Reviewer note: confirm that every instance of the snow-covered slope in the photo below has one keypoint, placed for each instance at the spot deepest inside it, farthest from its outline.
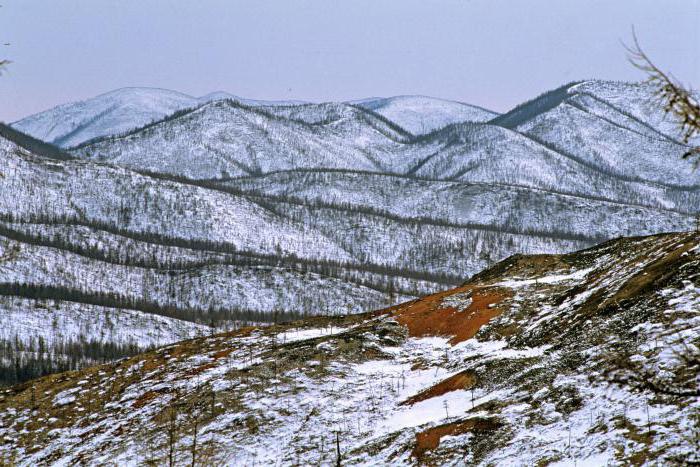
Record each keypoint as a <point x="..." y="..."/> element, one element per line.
<point x="107" y="114"/>
<point x="613" y="127"/>
<point x="534" y="361"/>
<point x="229" y="212"/>
<point x="116" y="112"/>
<point x="569" y="140"/>
<point x="420" y="114"/>
<point x="88" y="236"/>
<point x="225" y="138"/>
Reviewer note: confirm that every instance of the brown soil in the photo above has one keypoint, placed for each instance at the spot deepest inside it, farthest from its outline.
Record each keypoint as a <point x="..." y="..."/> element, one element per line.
<point x="429" y="317"/>
<point x="147" y="397"/>
<point x="429" y="439"/>
<point x="222" y="354"/>
<point x="645" y="279"/>
<point x="200" y="369"/>
<point x="463" y="380"/>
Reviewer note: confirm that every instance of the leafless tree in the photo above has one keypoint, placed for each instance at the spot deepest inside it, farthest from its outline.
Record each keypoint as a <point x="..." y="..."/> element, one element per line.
<point x="677" y="100"/>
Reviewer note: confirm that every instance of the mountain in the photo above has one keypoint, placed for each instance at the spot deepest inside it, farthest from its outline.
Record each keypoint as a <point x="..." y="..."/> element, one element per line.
<point x="95" y="256"/>
<point x="115" y="112"/>
<point x="111" y="113"/>
<point x="611" y="126"/>
<point x="221" y="95"/>
<point x="125" y="109"/>
<point x="421" y="114"/>
<point x="225" y="213"/>
<point x="546" y="359"/>
<point x="567" y="140"/>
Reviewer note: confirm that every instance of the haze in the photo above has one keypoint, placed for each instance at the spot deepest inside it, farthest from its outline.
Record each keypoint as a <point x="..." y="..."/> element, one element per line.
<point x="490" y="53"/>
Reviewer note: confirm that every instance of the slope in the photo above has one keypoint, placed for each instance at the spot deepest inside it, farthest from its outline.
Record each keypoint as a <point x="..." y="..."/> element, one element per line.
<point x="570" y="140"/>
<point x="421" y="114"/>
<point x="612" y="126"/>
<point x="84" y="239"/>
<point x="115" y="112"/>
<point x="514" y="366"/>
<point x="225" y="139"/>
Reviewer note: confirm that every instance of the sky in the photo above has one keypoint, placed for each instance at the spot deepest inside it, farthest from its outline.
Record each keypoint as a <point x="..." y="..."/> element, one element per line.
<point x="491" y="53"/>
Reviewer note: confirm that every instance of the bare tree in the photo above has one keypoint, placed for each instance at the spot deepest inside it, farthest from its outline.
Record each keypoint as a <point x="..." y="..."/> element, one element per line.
<point x="676" y="99"/>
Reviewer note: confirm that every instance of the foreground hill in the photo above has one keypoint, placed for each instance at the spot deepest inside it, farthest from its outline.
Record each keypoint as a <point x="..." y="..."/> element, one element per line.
<point x="514" y="366"/>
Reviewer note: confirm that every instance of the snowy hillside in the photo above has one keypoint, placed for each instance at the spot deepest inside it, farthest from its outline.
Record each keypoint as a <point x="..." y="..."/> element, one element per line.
<point x="569" y="140"/>
<point x="595" y="125"/>
<point x="227" y="213"/>
<point x="111" y="113"/>
<point x="115" y="112"/>
<point x="420" y="114"/>
<point x="576" y="359"/>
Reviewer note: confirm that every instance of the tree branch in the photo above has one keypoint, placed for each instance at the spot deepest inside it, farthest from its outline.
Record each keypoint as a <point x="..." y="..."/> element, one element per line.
<point x="676" y="99"/>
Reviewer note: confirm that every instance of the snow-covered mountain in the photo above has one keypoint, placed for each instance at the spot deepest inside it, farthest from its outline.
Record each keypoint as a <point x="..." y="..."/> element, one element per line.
<point x="116" y="112"/>
<point x="570" y="141"/>
<point x="587" y="358"/>
<point x="125" y="109"/>
<point x="226" y="212"/>
<point x="421" y="114"/>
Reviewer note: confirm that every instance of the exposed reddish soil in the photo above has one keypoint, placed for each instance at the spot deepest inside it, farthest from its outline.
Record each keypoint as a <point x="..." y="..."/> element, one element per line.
<point x="200" y="369"/>
<point x="222" y="354"/>
<point x="429" y="317"/>
<point x="462" y="380"/>
<point x="145" y="398"/>
<point x="429" y="439"/>
<point x="148" y="396"/>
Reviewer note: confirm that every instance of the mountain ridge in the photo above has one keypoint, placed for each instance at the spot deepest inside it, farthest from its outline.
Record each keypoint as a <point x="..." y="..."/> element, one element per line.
<point x="126" y="109"/>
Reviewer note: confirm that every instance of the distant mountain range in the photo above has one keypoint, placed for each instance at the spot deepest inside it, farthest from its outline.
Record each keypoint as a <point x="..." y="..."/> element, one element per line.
<point x="125" y="109"/>
<point x="169" y="214"/>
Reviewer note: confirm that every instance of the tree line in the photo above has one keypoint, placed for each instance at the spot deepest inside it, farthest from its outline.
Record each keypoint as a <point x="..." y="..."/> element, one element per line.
<point x="22" y="361"/>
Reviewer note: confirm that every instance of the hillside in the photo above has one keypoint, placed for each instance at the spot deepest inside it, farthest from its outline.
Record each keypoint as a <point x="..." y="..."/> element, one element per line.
<point x="421" y="115"/>
<point x="593" y="122"/>
<point x="115" y="112"/>
<point x="84" y="239"/>
<point x="228" y="213"/>
<point x="571" y="140"/>
<point x="514" y="366"/>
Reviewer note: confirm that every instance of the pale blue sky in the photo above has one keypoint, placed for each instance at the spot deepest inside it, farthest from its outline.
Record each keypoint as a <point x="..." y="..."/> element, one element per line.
<point x="493" y="53"/>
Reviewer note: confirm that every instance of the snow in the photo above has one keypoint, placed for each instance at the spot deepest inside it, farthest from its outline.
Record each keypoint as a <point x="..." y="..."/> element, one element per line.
<point x="549" y="279"/>
<point x="420" y="114"/>
<point x="116" y="112"/>
<point x="295" y="335"/>
<point x="523" y="383"/>
<point x="296" y="186"/>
